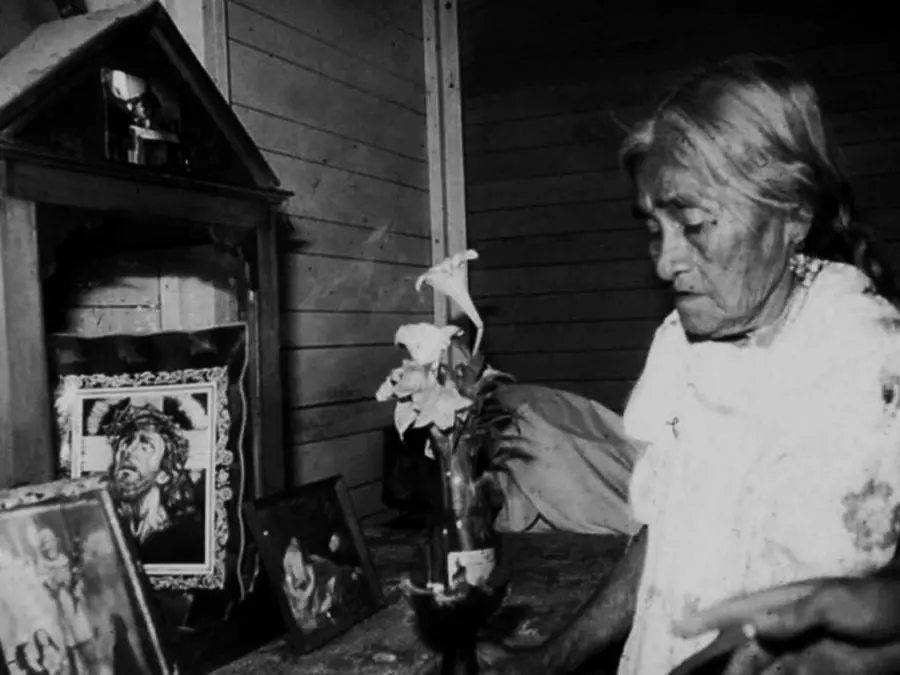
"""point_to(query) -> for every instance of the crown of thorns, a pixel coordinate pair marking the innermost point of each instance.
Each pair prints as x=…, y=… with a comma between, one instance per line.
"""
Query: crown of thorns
x=139, y=417
x=149, y=417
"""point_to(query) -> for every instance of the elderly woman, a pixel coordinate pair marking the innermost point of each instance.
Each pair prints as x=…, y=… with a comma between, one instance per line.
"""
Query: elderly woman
x=769, y=407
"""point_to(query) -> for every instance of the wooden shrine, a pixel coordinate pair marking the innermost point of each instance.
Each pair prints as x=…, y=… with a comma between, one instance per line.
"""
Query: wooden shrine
x=124, y=170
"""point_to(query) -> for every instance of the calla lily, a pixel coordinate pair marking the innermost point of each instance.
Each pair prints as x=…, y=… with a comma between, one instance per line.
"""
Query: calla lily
x=425, y=341
x=386, y=391
x=405, y=381
x=449, y=278
x=435, y=404
x=405, y=413
x=439, y=406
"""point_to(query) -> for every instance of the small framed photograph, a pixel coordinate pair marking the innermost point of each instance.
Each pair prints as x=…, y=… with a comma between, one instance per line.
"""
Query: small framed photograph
x=317, y=561
x=72, y=598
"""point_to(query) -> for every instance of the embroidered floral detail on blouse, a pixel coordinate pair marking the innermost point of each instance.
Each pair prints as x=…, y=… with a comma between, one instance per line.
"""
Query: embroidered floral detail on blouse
x=872, y=516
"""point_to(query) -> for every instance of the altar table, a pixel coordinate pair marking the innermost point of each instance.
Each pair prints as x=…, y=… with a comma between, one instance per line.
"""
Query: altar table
x=551, y=574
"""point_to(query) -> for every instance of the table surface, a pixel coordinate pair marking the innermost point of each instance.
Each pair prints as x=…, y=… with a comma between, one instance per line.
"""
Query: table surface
x=551, y=573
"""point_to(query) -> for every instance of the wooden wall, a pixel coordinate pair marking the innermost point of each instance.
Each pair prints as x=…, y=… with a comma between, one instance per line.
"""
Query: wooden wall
x=567, y=290
x=178, y=289
x=333, y=92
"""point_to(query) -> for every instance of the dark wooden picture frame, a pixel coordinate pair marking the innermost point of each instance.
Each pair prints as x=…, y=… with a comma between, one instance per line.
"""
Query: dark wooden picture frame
x=317, y=561
x=78, y=590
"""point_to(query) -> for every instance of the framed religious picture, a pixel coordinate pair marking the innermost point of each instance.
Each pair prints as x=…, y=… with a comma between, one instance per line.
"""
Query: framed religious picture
x=161, y=415
x=71, y=596
x=316, y=560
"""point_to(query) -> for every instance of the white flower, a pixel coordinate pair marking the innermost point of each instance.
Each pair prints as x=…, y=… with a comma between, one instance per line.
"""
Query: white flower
x=405, y=414
x=425, y=341
x=439, y=405
x=435, y=404
x=448, y=277
x=405, y=381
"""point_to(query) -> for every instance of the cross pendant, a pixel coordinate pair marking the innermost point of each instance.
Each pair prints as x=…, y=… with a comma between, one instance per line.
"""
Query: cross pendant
x=674, y=424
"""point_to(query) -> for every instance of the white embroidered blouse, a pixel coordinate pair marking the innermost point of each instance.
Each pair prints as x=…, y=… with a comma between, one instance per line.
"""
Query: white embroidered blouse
x=766, y=462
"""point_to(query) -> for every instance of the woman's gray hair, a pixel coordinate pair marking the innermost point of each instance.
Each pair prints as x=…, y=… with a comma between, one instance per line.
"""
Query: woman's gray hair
x=754, y=125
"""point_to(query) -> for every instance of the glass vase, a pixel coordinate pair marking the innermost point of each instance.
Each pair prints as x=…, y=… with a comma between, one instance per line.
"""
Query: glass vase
x=465, y=580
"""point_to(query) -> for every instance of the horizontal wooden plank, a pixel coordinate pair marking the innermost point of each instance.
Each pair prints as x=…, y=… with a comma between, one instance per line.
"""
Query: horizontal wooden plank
x=550, y=160
x=864, y=126
x=885, y=223
x=307, y=142
x=862, y=92
x=403, y=14
x=251, y=28
x=128, y=281
x=550, y=249
x=859, y=50
x=268, y=84
x=200, y=287
x=322, y=422
x=596, y=365
x=579, y=187
x=314, y=283
x=861, y=57
x=129, y=191
x=567, y=219
x=566, y=53
x=329, y=329
x=627, y=98
x=891, y=251
x=859, y=158
x=557, y=127
x=384, y=244
x=569, y=336
x=585, y=306
x=874, y=191
x=327, y=193
x=333, y=374
x=180, y=288
x=92, y=321
x=877, y=192
x=340, y=23
x=607, y=127
x=870, y=158
x=549, y=219
x=575, y=277
x=367, y=504
x=357, y=458
x=543, y=99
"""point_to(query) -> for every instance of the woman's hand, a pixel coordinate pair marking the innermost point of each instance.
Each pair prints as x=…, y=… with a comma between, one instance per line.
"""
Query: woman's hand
x=838, y=626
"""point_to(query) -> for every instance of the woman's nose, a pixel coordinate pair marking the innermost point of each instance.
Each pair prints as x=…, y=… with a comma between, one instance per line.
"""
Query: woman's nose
x=671, y=255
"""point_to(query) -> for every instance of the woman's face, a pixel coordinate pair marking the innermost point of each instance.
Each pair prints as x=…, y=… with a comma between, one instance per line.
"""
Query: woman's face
x=725, y=261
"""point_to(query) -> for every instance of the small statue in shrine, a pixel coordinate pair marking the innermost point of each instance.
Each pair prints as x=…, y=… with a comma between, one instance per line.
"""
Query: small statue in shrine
x=152, y=137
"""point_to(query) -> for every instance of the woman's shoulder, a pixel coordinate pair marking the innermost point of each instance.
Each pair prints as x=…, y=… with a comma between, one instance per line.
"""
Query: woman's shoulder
x=844, y=304
x=849, y=326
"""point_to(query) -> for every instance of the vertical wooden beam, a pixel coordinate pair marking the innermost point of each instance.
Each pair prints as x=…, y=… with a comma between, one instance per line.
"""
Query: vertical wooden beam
x=26, y=446
x=204, y=25
x=253, y=431
x=216, y=56
x=446, y=183
x=274, y=460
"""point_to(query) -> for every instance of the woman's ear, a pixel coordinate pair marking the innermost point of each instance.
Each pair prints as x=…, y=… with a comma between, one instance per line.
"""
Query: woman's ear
x=797, y=228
